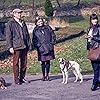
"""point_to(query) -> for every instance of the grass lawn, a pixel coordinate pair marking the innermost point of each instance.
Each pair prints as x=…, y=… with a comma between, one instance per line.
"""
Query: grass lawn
x=74, y=49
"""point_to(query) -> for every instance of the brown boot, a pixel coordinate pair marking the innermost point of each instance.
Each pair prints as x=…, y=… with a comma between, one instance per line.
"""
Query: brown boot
x=17, y=81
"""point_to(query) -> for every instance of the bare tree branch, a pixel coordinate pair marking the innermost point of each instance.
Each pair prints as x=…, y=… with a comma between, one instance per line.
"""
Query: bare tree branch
x=58, y=3
x=78, y=3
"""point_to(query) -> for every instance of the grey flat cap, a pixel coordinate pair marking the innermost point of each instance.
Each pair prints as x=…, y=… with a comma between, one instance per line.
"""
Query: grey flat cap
x=17, y=10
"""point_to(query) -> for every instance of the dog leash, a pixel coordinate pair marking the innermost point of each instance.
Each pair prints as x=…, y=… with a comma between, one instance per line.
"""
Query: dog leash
x=68, y=66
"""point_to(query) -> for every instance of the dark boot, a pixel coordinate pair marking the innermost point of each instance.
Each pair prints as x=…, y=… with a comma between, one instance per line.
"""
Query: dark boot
x=17, y=81
x=43, y=70
x=43, y=78
x=47, y=78
x=94, y=87
x=47, y=70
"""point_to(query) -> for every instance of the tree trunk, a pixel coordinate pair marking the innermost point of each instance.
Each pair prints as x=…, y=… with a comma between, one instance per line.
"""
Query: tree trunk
x=58, y=3
x=19, y=3
x=33, y=6
x=78, y=3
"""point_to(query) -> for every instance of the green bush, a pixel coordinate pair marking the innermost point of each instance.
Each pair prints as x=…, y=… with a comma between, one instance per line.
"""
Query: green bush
x=48, y=8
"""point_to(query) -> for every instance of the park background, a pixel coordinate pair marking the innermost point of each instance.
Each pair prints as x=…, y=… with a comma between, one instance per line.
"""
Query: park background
x=70, y=20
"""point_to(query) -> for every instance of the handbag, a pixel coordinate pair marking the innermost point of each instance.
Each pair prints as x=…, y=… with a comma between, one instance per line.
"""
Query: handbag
x=94, y=54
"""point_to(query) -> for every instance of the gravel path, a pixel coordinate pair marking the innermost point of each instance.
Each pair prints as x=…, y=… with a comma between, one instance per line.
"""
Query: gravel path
x=52, y=90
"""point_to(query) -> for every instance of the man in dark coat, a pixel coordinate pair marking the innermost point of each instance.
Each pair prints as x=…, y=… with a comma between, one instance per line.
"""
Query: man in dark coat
x=19, y=43
x=44, y=40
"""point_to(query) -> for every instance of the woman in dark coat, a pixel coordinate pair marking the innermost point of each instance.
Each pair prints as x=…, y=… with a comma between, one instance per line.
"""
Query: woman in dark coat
x=94, y=41
x=43, y=40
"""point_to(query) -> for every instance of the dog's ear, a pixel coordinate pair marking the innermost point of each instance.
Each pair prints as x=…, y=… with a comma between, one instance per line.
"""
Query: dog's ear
x=59, y=59
x=63, y=59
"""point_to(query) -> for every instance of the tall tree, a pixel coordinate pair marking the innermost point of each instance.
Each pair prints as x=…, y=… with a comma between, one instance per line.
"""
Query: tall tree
x=48, y=8
x=33, y=6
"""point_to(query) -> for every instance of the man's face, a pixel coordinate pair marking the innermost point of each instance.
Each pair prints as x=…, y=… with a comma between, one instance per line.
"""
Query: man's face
x=18, y=15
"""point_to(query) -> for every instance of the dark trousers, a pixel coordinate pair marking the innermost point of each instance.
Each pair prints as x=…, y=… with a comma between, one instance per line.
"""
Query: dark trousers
x=96, y=69
x=45, y=67
x=19, y=64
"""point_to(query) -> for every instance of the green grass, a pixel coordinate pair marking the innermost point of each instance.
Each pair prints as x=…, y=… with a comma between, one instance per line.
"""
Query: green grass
x=79, y=21
x=33, y=67
x=6, y=70
x=76, y=51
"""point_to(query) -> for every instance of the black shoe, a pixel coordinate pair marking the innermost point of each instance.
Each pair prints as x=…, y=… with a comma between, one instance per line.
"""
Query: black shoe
x=43, y=79
x=99, y=85
x=23, y=81
x=48, y=78
x=94, y=87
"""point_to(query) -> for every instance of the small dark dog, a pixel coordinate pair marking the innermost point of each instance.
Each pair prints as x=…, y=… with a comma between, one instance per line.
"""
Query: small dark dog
x=2, y=83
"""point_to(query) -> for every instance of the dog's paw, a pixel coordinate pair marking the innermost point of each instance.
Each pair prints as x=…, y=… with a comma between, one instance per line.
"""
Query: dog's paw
x=65, y=83
x=81, y=81
x=62, y=82
x=3, y=88
x=75, y=81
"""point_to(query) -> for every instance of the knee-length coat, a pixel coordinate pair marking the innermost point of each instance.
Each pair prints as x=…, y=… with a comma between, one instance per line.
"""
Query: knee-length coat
x=43, y=40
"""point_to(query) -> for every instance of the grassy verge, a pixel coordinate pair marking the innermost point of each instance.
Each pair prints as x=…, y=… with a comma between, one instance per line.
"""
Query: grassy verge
x=73, y=50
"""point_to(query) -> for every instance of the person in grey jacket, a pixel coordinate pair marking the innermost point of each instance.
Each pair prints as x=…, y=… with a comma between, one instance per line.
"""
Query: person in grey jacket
x=43, y=40
x=18, y=42
x=94, y=42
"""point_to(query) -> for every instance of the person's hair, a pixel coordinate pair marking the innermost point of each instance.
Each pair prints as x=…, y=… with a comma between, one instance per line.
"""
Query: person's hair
x=38, y=18
x=92, y=17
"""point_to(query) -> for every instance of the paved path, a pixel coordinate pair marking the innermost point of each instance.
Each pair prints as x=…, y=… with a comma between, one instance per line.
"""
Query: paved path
x=53, y=90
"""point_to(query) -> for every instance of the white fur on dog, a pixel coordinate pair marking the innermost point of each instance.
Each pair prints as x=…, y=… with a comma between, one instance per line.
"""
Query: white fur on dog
x=74, y=66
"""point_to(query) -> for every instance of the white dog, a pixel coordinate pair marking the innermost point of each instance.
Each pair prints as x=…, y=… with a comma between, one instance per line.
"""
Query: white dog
x=66, y=66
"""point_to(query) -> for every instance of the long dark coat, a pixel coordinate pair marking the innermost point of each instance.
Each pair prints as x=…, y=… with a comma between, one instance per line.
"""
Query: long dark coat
x=17, y=37
x=43, y=40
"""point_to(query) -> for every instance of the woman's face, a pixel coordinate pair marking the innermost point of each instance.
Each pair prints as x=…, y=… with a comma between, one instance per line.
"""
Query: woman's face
x=40, y=22
x=94, y=21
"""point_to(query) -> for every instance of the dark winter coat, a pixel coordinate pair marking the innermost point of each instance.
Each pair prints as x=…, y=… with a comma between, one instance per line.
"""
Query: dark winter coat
x=17, y=37
x=96, y=38
x=43, y=40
